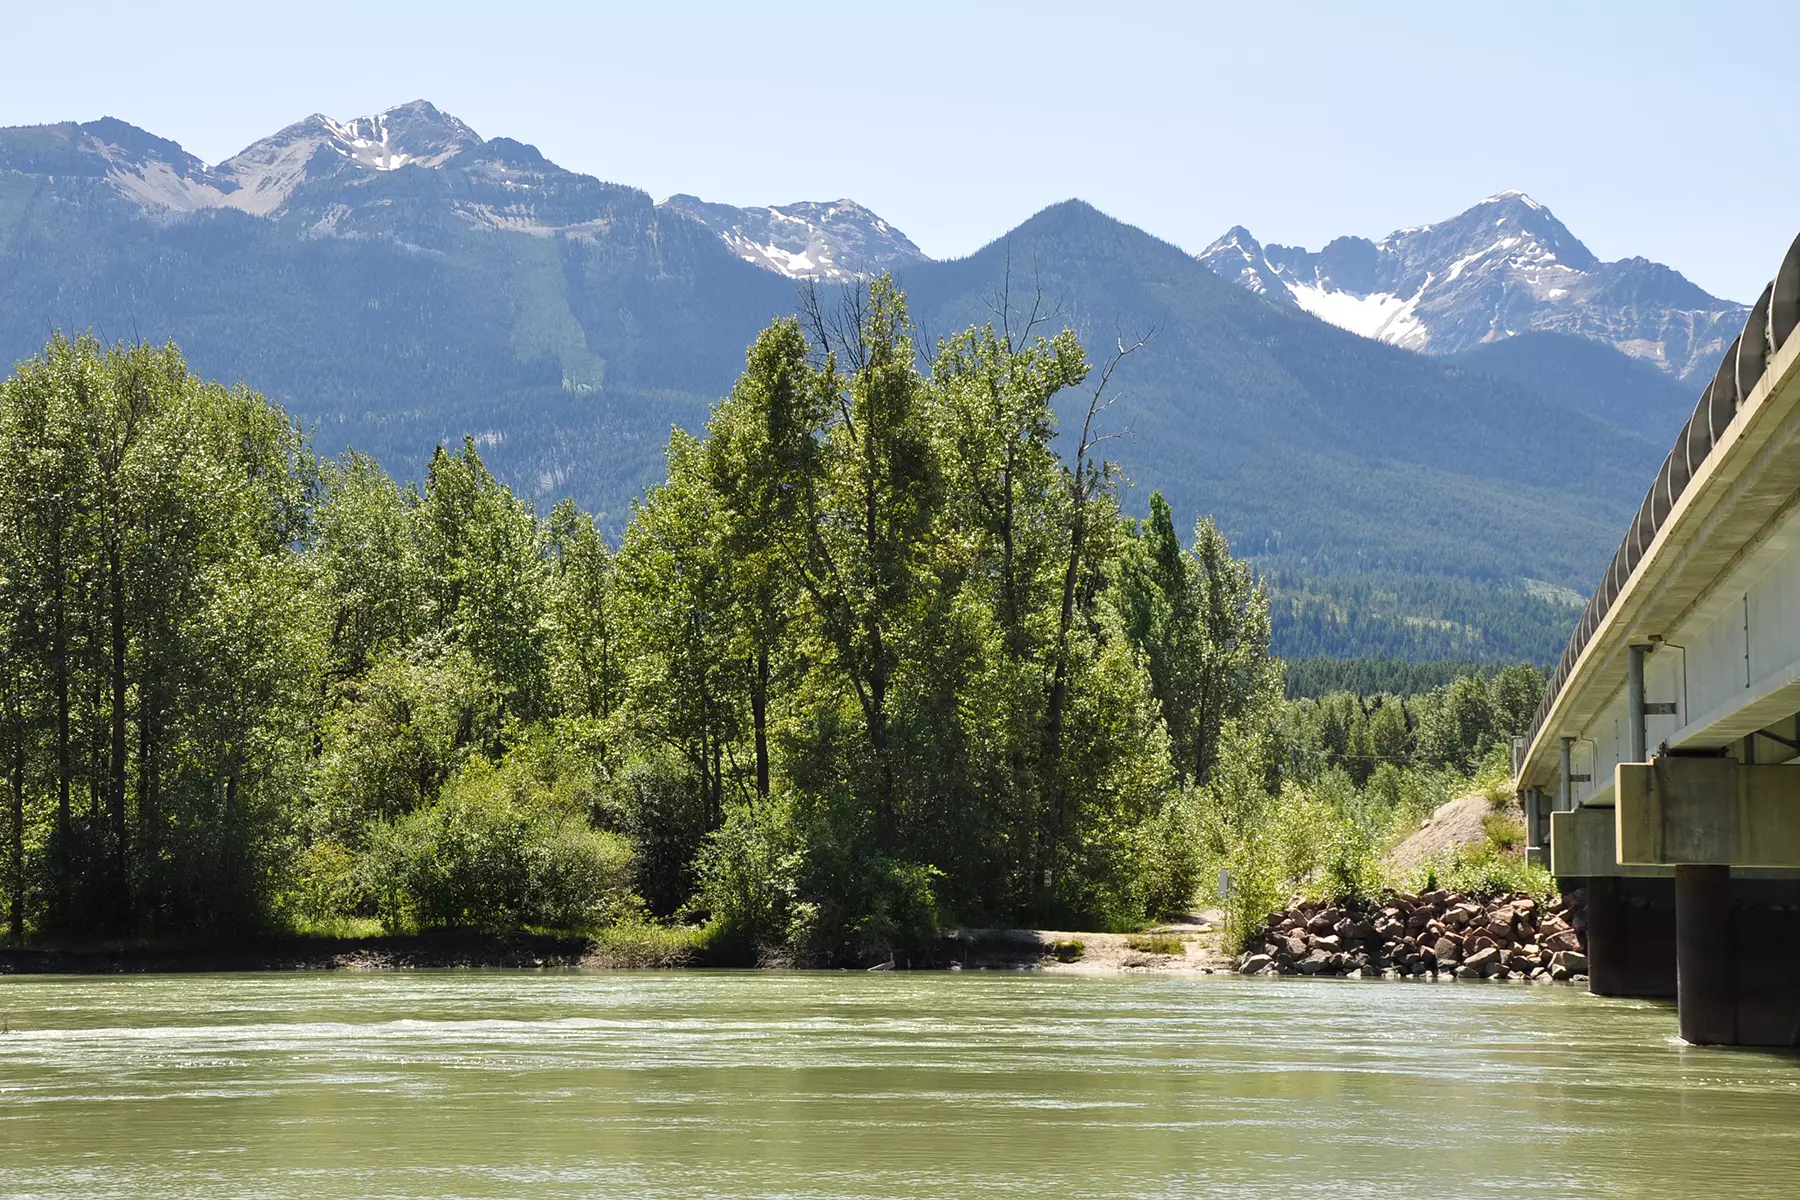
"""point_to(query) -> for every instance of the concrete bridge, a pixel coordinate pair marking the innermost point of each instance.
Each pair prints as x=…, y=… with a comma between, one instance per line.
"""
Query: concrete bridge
x=1662, y=773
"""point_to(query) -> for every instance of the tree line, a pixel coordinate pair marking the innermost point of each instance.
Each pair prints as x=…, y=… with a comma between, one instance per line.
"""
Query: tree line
x=873, y=657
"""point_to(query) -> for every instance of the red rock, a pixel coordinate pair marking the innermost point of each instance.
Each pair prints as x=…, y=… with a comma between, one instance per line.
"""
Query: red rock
x=1571, y=961
x=1485, y=960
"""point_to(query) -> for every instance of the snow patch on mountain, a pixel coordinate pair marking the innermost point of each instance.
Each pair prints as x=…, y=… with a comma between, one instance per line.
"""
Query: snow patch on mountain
x=836, y=241
x=1379, y=315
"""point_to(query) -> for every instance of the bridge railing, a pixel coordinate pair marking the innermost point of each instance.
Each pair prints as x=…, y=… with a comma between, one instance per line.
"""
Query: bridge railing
x=1772, y=319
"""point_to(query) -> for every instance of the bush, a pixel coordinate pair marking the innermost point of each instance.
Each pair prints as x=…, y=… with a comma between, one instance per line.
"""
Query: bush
x=1503, y=832
x=1157, y=943
x=1172, y=855
x=484, y=855
x=1068, y=951
x=645, y=944
x=1483, y=871
x=328, y=885
x=398, y=733
x=660, y=803
x=747, y=869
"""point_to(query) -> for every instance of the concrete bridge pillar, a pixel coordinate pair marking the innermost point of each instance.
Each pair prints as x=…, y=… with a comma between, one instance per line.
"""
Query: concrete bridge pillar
x=1630, y=937
x=1705, y=955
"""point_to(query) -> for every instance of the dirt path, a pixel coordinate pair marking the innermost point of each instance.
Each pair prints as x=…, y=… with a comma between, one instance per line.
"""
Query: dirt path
x=1075, y=952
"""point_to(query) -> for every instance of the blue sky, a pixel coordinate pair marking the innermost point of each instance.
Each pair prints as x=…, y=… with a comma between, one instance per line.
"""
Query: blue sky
x=1666, y=130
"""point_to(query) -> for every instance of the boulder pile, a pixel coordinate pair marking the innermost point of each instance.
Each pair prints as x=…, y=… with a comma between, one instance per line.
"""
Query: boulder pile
x=1436, y=934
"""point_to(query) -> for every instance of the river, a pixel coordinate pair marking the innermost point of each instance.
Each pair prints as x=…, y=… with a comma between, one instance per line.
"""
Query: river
x=705, y=1084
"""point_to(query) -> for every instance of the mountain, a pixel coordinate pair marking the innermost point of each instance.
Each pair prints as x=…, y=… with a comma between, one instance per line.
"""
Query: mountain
x=1316, y=449
x=1505, y=267
x=832, y=242
x=398, y=281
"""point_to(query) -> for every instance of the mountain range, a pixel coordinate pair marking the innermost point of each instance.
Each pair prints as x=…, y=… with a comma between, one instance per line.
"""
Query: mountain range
x=1505, y=267
x=398, y=281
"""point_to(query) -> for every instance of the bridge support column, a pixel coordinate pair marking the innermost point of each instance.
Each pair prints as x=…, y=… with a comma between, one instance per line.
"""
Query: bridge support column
x=1630, y=937
x=1705, y=955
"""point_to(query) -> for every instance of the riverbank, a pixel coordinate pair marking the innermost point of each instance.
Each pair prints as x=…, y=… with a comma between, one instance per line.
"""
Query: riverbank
x=1188, y=947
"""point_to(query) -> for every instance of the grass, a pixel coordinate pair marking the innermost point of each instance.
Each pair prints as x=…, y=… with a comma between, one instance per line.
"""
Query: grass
x=1503, y=833
x=338, y=927
x=641, y=944
x=1157, y=943
x=1068, y=951
x=628, y=944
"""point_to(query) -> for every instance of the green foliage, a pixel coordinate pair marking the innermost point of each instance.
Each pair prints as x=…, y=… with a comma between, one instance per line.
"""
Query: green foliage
x=1459, y=726
x=161, y=663
x=1412, y=629
x=327, y=884
x=1485, y=870
x=1068, y=950
x=398, y=732
x=633, y=943
x=872, y=660
x=1157, y=943
x=1503, y=833
x=1202, y=623
x=1315, y=678
x=747, y=877
x=491, y=852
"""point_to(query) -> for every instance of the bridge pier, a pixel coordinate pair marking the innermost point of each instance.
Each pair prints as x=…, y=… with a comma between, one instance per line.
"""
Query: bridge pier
x=1705, y=955
x=1631, y=937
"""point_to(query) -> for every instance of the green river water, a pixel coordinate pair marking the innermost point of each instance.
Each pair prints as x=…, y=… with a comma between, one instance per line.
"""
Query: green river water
x=692, y=1084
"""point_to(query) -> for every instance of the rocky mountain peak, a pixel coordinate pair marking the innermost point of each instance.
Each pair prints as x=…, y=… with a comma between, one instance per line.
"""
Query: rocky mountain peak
x=417, y=134
x=833, y=240
x=1501, y=267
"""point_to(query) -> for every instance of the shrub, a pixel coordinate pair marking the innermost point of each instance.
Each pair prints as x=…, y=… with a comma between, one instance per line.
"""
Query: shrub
x=1485, y=871
x=1157, y=943
x=747, y=869
x=635, y=943
x=660, y=803
x=328, y=884
x=484, y=855
x=1503, y=833
x=1068, y=951
x=1171, y=855
x=399, y=733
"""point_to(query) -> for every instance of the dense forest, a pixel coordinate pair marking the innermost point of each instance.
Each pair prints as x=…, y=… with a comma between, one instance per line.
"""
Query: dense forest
x=1419, y=618
x=873, y=659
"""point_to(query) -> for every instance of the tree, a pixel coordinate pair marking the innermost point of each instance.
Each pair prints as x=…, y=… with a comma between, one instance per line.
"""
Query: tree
x=1202, y=622
x=586, y=675
x=146, y=522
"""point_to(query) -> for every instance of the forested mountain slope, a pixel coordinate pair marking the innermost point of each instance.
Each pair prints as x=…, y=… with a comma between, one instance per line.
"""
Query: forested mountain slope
x=1593, y=378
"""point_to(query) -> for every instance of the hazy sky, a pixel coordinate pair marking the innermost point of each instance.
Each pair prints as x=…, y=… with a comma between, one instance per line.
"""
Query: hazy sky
x=1666, y=130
